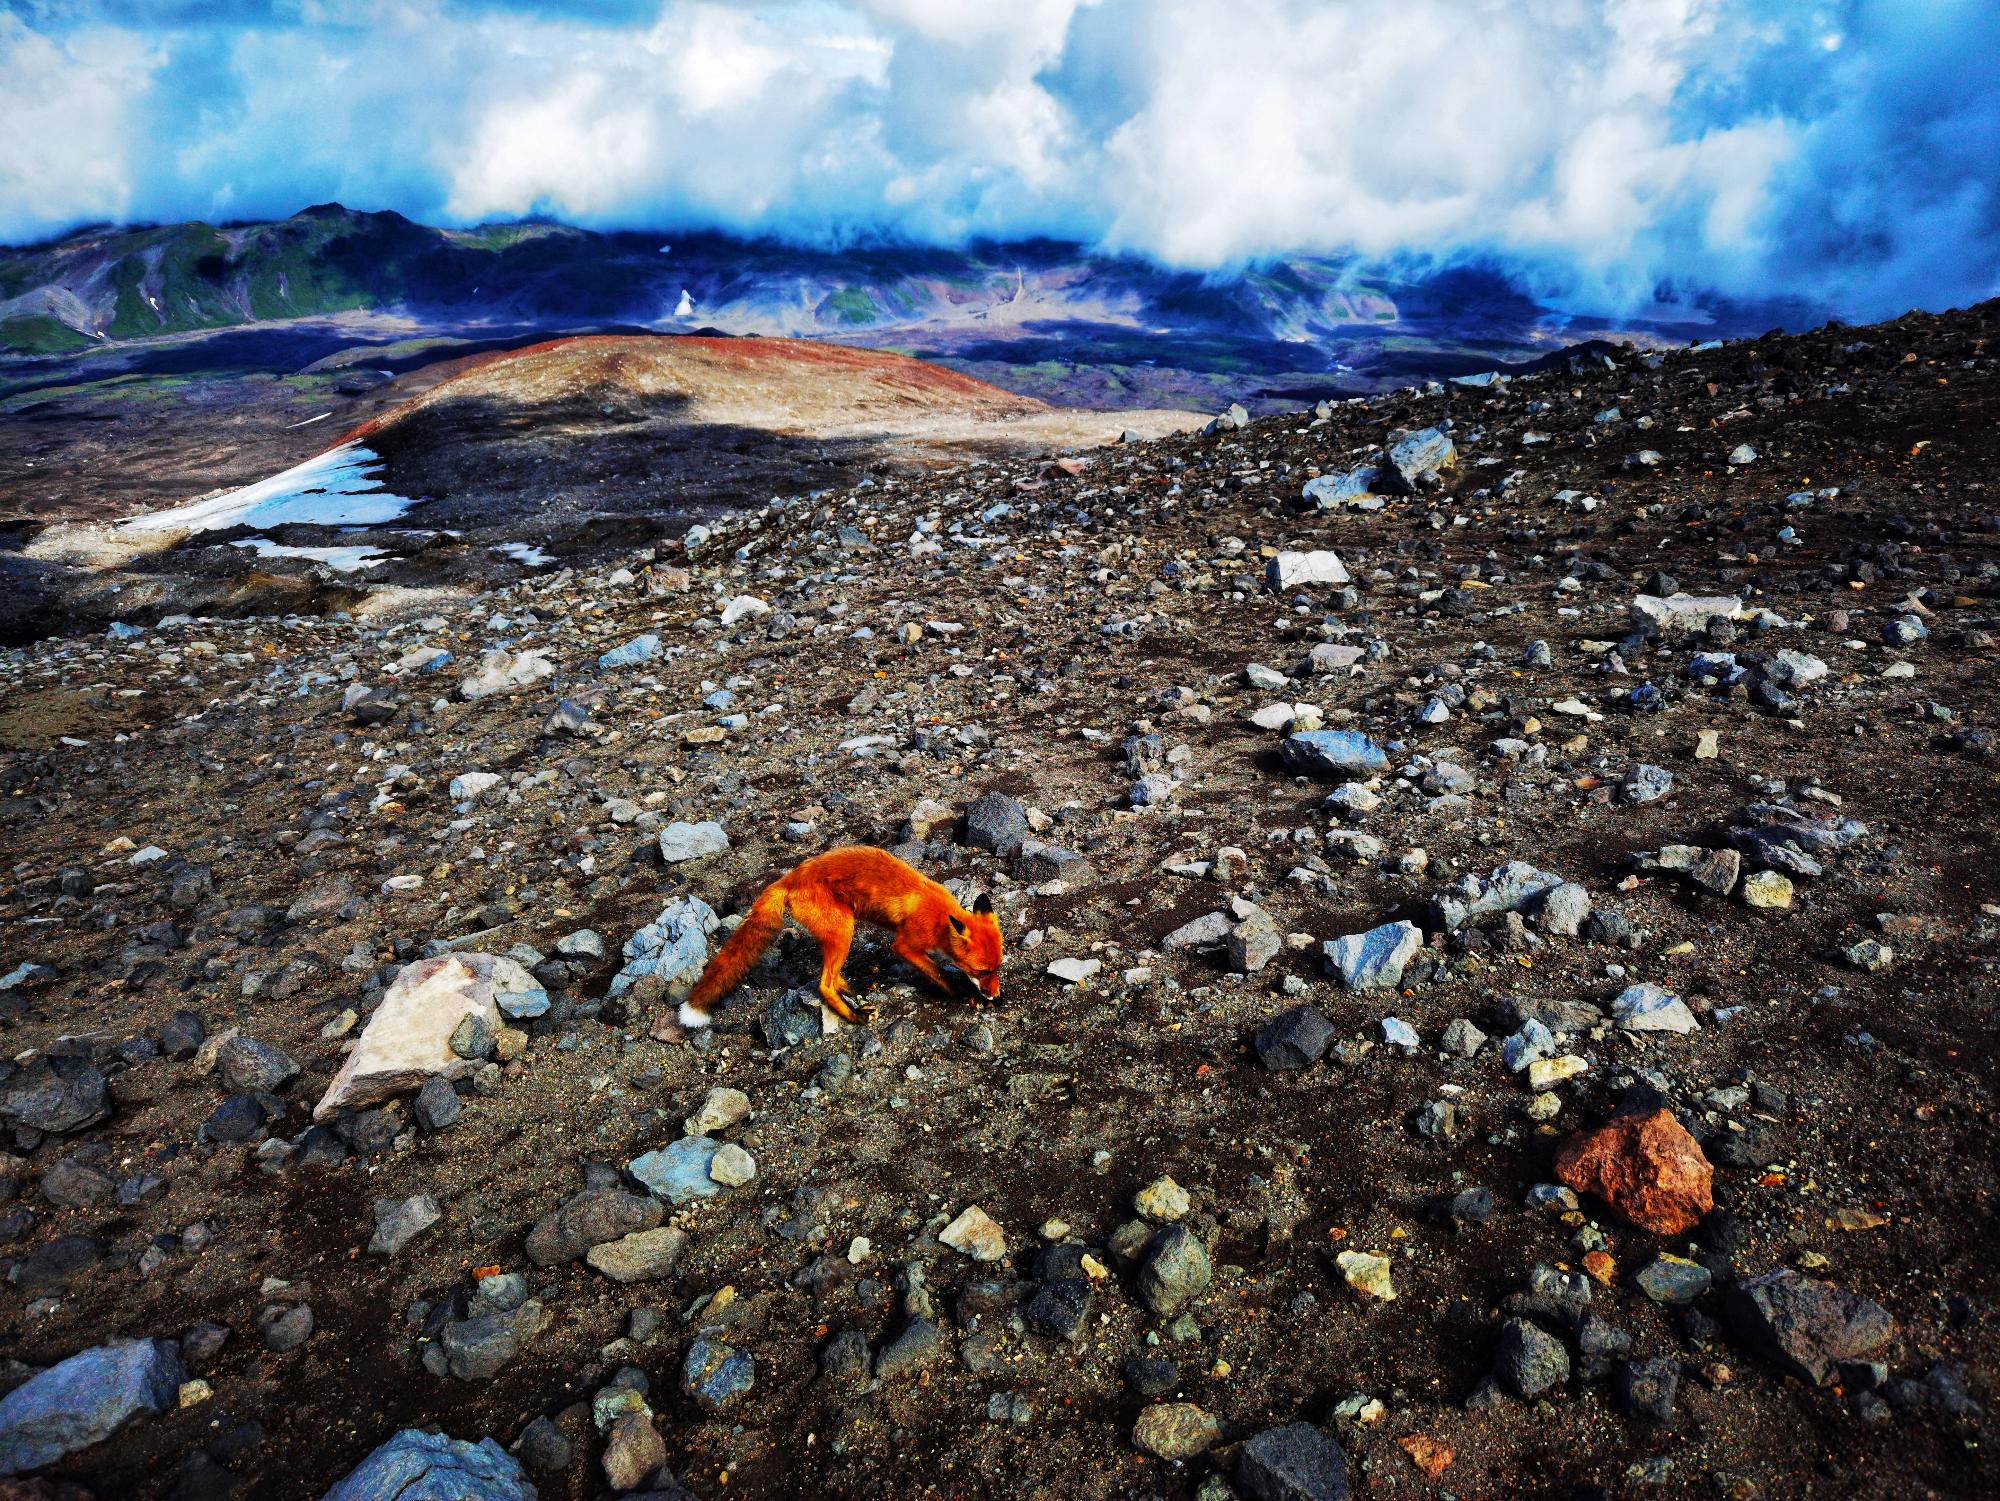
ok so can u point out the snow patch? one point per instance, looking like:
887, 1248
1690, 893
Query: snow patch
335, 488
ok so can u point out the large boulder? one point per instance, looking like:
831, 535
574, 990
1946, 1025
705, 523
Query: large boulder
1646, 1167
408, 1039
418, 1466
1806, 1326
53, 1095
84, 1400
1416, 461
1332, 753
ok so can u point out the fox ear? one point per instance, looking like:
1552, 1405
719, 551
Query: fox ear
958, 927
982, 904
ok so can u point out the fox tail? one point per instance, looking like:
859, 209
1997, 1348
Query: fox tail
733, 960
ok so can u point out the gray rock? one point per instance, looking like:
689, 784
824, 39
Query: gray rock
400, 1221
285, 1328
1564, 909
1294, 1463
1462, 1039
1035, 862
1293, 570
632, 653
1648, 1008
1414, 461
1252, 944
588, 1219
1374, 960
640, 1257
1645, 783
994, 821
54, 1095
1332, 753
438, 1105
584, 943
681, 842
1806, 1326
1646, 1388
84, 1400
1173, 1271
418, 1466
1294, 1039
543, 1447
1059, 1309
1508, 888
480, 1347
251, 1066
1345, 489
1530, 1360
1672, 1280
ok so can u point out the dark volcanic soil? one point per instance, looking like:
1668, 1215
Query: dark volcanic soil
1005, 627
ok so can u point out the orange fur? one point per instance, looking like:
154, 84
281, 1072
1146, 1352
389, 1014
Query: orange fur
827, 895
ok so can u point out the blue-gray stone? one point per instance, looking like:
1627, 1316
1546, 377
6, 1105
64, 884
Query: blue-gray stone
632, 653
417, 1466
1332, 753
522, 1005
1376, 959
722, 698
673, 945
1669, 1279
1521, 1049
715, 1375
84, 1400
1508, 888
679, 1172
1398, 1033
1351, 489
1415, 459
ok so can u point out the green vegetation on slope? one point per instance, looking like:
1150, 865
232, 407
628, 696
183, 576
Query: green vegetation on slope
38, 333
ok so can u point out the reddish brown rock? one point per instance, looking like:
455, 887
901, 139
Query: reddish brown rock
1646, 1167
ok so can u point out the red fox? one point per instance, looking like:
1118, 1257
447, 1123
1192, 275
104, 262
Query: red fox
827, 895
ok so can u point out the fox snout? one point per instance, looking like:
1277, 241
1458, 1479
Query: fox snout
990, 986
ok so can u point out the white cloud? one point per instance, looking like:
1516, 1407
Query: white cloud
1612, 144
64, 116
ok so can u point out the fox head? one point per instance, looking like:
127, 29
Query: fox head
972, 943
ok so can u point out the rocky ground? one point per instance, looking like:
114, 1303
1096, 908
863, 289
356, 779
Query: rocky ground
1503, 1011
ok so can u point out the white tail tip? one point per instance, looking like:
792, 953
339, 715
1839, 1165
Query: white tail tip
692, 1019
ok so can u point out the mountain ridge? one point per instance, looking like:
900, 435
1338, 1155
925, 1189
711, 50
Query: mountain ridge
1022, 302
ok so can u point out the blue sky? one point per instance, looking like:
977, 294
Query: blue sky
1847, 151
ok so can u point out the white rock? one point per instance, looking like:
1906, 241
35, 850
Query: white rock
408, 1039
974, 1234
1288, 570
1075, 971
742, 608
504, 672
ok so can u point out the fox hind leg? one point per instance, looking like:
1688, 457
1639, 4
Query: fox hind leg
835, 932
